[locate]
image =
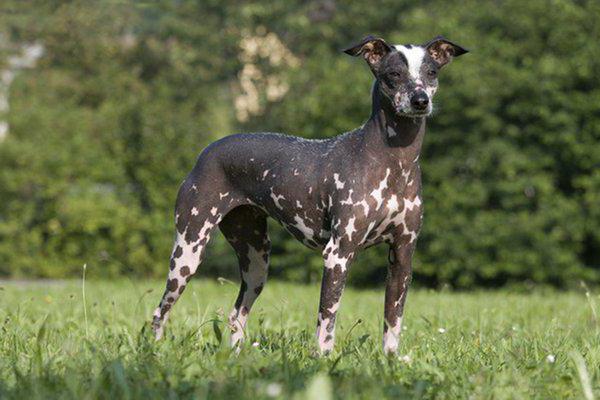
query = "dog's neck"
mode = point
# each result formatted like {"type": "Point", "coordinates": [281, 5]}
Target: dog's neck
{"type": "Point", "coordinates": [390, 133]}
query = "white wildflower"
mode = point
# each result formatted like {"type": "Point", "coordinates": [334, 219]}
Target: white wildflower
{"type": "Point", "coordinates": [442, 330]}
{"type": "Point", "coordinates": [273, 389]}
{"type": "Point", "coordinates": [551, 358]}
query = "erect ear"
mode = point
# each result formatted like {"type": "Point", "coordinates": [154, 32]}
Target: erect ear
{"type": "Point", "coordinates": [443, 51]}
{"type": "Point", "coordinates": [372, 49]}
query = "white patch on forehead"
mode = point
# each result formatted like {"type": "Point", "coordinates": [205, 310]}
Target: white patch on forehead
{"type": "Point", "coordinates": [414, 55]}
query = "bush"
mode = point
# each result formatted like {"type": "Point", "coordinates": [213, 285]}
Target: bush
{"type": "Point", "coordinates": [111, 119]}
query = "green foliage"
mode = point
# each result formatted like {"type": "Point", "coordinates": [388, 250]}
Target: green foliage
{"type": "Point", "coordinates": [479, 345]}
{"type": "Point", "coordinates": [106, 126]}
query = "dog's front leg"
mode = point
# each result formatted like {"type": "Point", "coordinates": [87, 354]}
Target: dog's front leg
{"type": "Point", "coordinates": [398, 279]}
{"type": "Point", "coordinates": [337, 258]}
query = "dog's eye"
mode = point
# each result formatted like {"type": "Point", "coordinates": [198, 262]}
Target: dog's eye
{"type": "Point", "coordinates": [395, 74]}
{"type": "Point", "coordinates": [432, 73]}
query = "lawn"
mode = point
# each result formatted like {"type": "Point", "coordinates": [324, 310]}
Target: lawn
{"type": "Point", "coordinates": [481, 345]}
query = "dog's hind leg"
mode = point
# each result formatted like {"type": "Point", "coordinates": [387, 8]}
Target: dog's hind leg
{"type": "Point", "coordinates": [195, 222]}
{"type": "Point", "coordinates": [245, 228]}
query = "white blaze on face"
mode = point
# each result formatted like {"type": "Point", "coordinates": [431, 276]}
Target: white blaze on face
{"type": "Point", "coordinates": [414, 56]}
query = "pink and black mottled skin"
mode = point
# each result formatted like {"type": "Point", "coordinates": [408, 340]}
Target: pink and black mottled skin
{"type": "Point", "coordinates": [337, 196]}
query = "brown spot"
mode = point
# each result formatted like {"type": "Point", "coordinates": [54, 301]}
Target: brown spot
{"type": "Point", "coordinates": [184, 271]}
{"type": "Point", "coordinates": [245, 264]}
{"type": "Point", "coordinates": [178, 252]}
{"type": "Point", "coordinates": [258, 289]}
{"type": "Point", "coordinates": [330, 324]}
{"type": "Point", "coordinates": [181, 289]}
{"type": "Point", "coordinates": [172, 285]}
{"type": "Point", "coordinates": [172, 265]}
{"type": "Point", "coordinates": [328, 338]}
{"type": "Point", "coordinates": [170, 299]}
{"type": "Point", "coordinates": [164, 309]}
{"type": "Point", "coordinates": [244, 311]}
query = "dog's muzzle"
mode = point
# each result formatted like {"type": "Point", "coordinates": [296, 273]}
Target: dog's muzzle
{"type": "Point", "coordinates": [419, 101]}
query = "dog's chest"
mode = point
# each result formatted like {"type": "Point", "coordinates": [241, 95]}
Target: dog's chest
{"type": "Point", "coordinates": [388, 202]}
{"type": "Point", "coordinates": [362, 210]}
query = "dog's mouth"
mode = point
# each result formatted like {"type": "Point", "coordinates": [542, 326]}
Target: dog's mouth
{"type": "Point", "coordinates": [414, 113]}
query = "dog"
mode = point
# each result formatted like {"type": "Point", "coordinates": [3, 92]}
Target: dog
{"type": "Point", "coordinates": [337, 195]}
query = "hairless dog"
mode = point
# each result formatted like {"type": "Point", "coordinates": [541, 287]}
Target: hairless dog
{"type": "Point", "coordinates": [338, 195]}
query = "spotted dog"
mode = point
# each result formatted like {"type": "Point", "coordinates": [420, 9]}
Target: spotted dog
{"type": "Point", "coordinates": [337, 195]}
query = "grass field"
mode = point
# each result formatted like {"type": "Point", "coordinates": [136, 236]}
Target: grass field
{"type": "Point", "coordinates": [495, 345]}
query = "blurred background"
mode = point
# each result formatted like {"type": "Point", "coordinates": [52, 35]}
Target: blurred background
{"type": "Point", "coordinates": [104, 107]}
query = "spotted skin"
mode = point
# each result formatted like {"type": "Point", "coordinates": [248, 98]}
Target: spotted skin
{"type": "Point", "coordinates": [245, 228]}
{"type": "Point", "coordinates": [337, 196]}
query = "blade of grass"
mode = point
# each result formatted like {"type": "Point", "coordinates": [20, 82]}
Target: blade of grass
{"type": "Point", "coordinates": [84, 305]}
{"type": "Point", "coordinates": [584, 376]}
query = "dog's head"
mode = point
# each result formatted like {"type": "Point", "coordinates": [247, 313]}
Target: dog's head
{"type": "Point", "coordinates": [407, 73]}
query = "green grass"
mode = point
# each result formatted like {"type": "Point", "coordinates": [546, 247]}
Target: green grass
{"type": "Point", "coordinates": [456, 345]}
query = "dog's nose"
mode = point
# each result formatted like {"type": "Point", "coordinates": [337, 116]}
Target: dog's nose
{"type": "Point", "coordinates": [419, 101]}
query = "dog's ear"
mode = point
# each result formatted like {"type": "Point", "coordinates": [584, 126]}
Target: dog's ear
{"type": "Point", "coordinates": [443, 51]}
{"type": "Point", "coordinates": [372, 49]}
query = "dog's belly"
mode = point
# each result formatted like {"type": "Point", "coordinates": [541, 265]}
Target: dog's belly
{"type": "Point", "coordinates": [311, 236]}
{"type": "Point", "coordinates": [304, 219]}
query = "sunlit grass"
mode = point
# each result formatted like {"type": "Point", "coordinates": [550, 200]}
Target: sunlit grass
{"type": "Point", "coordinates": [497, 345]}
